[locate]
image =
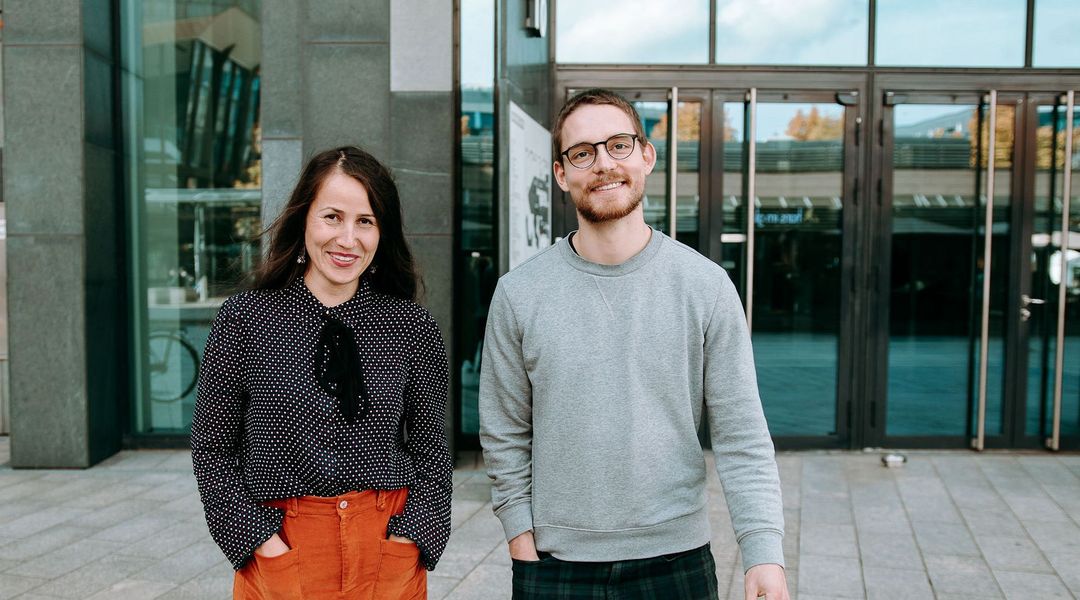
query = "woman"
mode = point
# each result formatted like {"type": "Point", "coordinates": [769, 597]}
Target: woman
{"type": "Point", "coordinates": [317, 438]}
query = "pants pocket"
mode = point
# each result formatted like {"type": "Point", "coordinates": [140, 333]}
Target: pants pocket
{"type": "Point", "coordinates": [279, 576]}
{"type": "Point", "coordinates": [400, 574]}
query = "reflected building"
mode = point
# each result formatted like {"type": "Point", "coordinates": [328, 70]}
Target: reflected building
{"type": "Point", "coordinates": [889, 184]}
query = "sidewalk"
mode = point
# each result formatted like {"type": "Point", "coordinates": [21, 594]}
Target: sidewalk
{"type": "Point", "coordinates": [946, 525]}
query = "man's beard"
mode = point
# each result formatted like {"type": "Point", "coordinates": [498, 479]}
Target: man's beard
{"type": "Point", "coordinates": [602, 212]}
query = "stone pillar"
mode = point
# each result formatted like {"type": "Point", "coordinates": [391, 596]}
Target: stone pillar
{"type": "Point", "coordinates": [64, 218]}
{"type": "Point", "coordinates": [377, 74]}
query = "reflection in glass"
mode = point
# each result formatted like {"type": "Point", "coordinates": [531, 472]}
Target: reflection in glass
{"type": "Point", "coordinates": [476, 249]}
{"type": "Point", "coordinates": [191, 88]}
{"type": "Point", "coordinates": [935, 307]}
{"type": "Point", "coordinates": [833, 32]}
{"type": "Point", "coordinates": [1046, 257]}
{"type": "Point", "coordinates": [654, 120]}
{"type": "Point", "coordinates": [962, 33]}
{"type": "Point", "coordinates": [1056, 42]}
{"type": "Point", "coordinates": [797, 256]}
{"type": "Point", "coordinates": [634, 31]}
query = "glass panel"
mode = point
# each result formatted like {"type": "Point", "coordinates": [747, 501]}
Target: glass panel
{"type": "Point", "coordinates": [797, 252]}
{"type": "Point", "coordinates": [1056, 43]}
{"type": "Point", "coordinates": [476, 249]}
{"type": "Point", "coordinates": [686, 205]}
{"type": "Point", "coordinates": [193, 181]}
{"type": "Point", "coordinates": [937, 249]}
{"type": "Point", "coordinates": [636, 31]}
{"type": "Point", "coordinates": [654, 121]}
{"type": "Point", "coordinates": [968, 33]}
{"type": "Point", "coordinates": [792, 33]}
{"type": "Point", "coordinates": [733, 240]}
{"type": "Point", "coordinates": [1046, 259]}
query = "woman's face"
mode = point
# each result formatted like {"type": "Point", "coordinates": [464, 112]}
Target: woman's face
{"type": "Point", "coordinates": [340, 237]}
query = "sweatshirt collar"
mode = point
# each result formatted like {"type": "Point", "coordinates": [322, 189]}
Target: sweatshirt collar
{"type": "Point", "coordinates": [635, 262]}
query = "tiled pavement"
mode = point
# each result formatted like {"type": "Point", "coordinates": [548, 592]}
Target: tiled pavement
{"type": "Point", "coordinates": [946, 525]}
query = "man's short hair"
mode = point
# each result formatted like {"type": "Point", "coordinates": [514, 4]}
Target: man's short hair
{"type": "Point", "coordinates": [596, 96]}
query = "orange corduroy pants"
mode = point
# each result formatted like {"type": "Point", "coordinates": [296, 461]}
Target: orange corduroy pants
{"type": "Point", "coordinates": [338, 551]}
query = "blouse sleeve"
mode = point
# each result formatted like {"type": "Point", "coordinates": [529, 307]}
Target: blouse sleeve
{"type": "Point", "coordinates": [426, 518]}
{"type": "Point", "coordinates": [236, 521]}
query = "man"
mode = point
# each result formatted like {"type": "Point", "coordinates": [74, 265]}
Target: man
{"type": "Point", "coordinates": [600, 354]}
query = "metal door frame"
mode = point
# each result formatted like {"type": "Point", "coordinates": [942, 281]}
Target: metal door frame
{"type": "Point", "coordinates": [714, 88]}
{"type": "Point", "coordinates": [1014, 88]}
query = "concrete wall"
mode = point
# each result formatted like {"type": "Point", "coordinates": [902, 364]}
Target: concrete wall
{"type": "Point", "coordinates": [377, 74]}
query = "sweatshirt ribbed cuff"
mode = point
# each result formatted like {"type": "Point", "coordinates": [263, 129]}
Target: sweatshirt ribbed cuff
{"type": "Point", "coordinates": [516, 519]}
{"type": "Point", "coordinates": [760, 548]}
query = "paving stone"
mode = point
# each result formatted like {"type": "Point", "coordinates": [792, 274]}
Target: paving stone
{"type": "Point", "coordinates": [36, 522]}
{"type": "Point", "coordinates": [897, 584]}
{"type": "Point", "coordinates": [184, 564]}
{"type": "Point", "coordinates": [1055, 538]}
{"type": "Point", "coordinates": [894, 550]}
{"type": "Point", "coordinates": [944, 538]}
{"type": "Point", "coordinates": [13, 585]}
{"type": "Point", "coordinates": [133, 589]}
{"type": "Point", "coordinates": [439, 587]}
{"type": "Point", "coordinates": [215, 584]}
{"type": "Point", "coordinates": [170, 539]}
{"type": "Point", "coordinates": [95, 576]}
{"type": "Point", "coordinates": [830, 576]}
{"type": "Point", "coordinates": [138, 528]}
{"type": "Point", "coordinates": [961, 575]}
{"type": "Point", "coordinates": [1010, 552]}
{"type": "Point", "coordinates": [1024, 586]}
{"type": "Point", "coordinates": [65, 559]}
{"type": "Point", "coordinates": [828, 540]}
{"type": "Point", "coordinates": [486, 581]}
{"type": "Point", "coordinates": [993, 522]}
{"type": "Point", "coordinates": [43, 542]}
{"type": "Point", "coordinates": [1067, 567]}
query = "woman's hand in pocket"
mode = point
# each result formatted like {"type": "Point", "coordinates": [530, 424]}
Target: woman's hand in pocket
{"type": "Point", "coordinates": [400, 540]}
{"type": "Point", "coordinates": [272, 547]}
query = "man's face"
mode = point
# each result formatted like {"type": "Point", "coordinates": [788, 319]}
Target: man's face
{"type": "Point", "coordinates": [609, 189]}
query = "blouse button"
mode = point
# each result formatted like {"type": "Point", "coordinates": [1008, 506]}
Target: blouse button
{"type": "Point", "coordinates": [344, 504]}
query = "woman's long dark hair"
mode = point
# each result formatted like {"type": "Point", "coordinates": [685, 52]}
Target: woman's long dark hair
{"type": "Point", "coordinates": [396, 274]}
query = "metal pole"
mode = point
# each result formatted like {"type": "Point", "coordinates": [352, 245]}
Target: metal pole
{"type": "Point", "coordinates": [984, 350]}
{"type": "Point", "coordinates": [673, 158]}
{"type": "Point", "coordinates": [751, 196]}
{"type": "Point", "coordinates": [1054, 442]}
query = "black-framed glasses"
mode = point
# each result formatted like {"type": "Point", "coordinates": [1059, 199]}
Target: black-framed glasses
{"type": "Point", "coordinates": [618, 146]}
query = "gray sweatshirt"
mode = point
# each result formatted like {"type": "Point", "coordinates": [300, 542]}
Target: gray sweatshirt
{"type": "Point", "coordinates": [592, 387]}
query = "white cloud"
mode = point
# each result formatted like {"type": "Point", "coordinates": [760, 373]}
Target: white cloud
{"type": "Point", "coordinates": [785, 32]}
{"type": "Point", "coordinates": [632, 31]}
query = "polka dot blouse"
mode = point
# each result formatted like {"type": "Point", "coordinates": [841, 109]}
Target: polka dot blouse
{"type": "Point", "coordinates": [263, 428]}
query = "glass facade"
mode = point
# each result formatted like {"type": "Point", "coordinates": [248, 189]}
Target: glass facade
{"type": "Point", "coordinates": [637, 31]}
{"type": "Point", "coordinates": [792, 33]}
{"type": "Point", "coordinates": [959, 33]}
{"type": "Point", "coordinates": [477, 249]}
{"type": "Point", "coordinates": [190, 89]}
{"type": "Point", "coordinates": [938, 227]}
{"type": "Point", "coordinates": [1056, 42]}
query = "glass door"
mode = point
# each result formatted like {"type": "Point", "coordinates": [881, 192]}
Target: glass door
{"type": "Point", "coordinates": [1050, 308]}
{"type": "Point", "coordinates": [787, 182]}
{"type": "Point", "coordinates": [946, 250]}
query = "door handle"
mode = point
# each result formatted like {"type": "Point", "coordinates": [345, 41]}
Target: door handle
{"type": "Point", "coordinates": [1026, 300]}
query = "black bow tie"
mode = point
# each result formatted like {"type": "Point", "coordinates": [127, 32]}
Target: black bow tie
{"type": "Point", "coordinates": [338, 369]}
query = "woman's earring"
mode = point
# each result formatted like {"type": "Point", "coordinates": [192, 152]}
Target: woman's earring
{"type": "Point", "coordinates": [374, 268]}
{"type": "Point", "coordinates": [300, 259]}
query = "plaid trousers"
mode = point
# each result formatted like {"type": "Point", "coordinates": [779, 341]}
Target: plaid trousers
{"type": "Point", "coordinates": [689, 575]}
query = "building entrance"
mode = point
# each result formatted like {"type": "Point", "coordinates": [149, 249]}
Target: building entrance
{"type": "Point", "coordinates": [889, 303]}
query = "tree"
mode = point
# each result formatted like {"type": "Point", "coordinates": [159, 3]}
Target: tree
{"type": "Point", "coordinates": [814, 126]}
